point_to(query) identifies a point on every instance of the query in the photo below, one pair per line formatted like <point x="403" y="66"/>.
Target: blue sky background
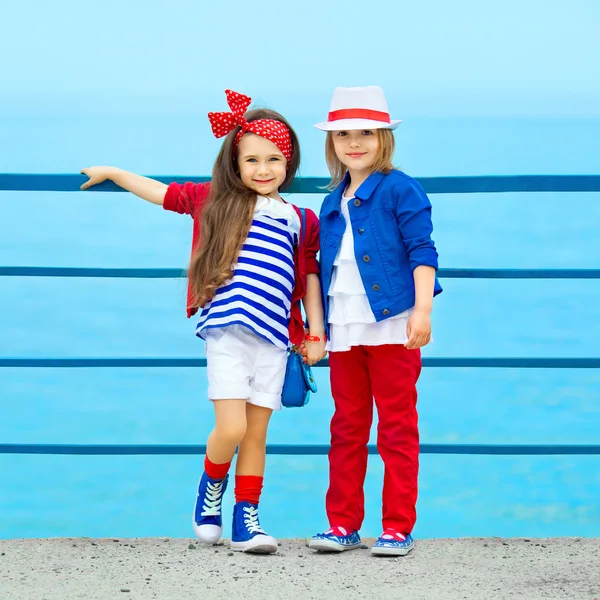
<point x="433" y="58"/>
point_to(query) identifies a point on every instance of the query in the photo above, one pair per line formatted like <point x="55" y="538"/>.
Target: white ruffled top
<point x="351" y="320"/>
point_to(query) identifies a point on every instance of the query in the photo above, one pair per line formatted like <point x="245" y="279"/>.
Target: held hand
<point x="313" y="352"/>
<point x="302" y="350"/>
<point x="418" y="330"/>
<point x="96" y="174"/>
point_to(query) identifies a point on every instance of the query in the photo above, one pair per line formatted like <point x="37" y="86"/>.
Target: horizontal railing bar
<point x="173" y="273"/>
<point x="56" y="182"/>
<point x="291" y="449"/>
<point x="519" y="273"/>
<point x="137" y="273"/>
<point x="455" y="362"/>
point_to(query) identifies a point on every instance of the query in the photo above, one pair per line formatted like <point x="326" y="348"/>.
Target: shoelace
<point x="211" y="507"/>
<point x="251" y="520"/>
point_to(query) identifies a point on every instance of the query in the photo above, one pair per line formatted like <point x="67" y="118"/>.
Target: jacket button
<point x="367" y="258"/>
<point x="375" y="288"/>
<point x="357" y="202"/>
<point x="361" y="230"/>
<point x="386" y="312"/>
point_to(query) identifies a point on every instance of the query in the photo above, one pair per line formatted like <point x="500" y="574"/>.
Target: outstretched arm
<point x="143" y="187"/>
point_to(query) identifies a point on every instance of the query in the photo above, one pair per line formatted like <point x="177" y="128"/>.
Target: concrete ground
<point x="174" y="569"/>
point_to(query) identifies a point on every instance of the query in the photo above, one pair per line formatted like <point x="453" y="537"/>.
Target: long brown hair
<point x="227" y="214"/>
<point x="383" y="163"/>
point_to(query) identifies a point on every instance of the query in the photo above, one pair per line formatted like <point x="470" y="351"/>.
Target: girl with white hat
<point x="378" y="276"/>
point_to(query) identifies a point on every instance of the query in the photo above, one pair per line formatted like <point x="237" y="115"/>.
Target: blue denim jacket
<point x="391" y="224"/>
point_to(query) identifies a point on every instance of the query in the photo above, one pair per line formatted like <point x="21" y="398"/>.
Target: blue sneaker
<point x="392" y="543"/>
<point x="208" y="523"/>
<point x="336" y="539"/>
<point x="247" y="534"/>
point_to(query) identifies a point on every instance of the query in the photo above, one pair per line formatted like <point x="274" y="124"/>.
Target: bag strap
<point x="303" y="234"/>
<point x="303" y="226"/>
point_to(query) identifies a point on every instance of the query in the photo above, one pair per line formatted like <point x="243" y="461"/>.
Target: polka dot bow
<point x="223" y="123"/>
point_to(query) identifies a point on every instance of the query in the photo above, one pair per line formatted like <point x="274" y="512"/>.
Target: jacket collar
<point x="364" y="192"/>
<point x="368" y="186"/>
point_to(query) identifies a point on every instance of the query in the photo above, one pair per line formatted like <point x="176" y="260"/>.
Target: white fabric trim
<point x="351" y="320"/>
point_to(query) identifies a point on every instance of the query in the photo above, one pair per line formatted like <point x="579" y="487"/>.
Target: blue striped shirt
<point x="259" y="295"/>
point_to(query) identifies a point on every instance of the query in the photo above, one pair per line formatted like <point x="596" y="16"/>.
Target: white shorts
<point x="242" y="365"/>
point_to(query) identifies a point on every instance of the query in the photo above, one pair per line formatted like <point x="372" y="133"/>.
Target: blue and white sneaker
<point x="393" y="543"/>
<point x="207" y="520"/>
<point x="247" y="534"/>
<point x="336" y="539"/>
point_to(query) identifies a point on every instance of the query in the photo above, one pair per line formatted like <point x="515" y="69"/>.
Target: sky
<point x="433" y="58"/>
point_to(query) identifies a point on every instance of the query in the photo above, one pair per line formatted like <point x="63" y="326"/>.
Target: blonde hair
<point x="383" y="162"/>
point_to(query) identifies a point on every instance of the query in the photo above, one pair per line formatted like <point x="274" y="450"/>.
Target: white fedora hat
<point x="358" y="108"/>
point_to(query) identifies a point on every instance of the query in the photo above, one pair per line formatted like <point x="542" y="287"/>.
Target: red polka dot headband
<point x="223" y="123"/>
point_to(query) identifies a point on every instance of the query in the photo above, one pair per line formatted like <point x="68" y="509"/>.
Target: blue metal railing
<point x="450" y="362"/>
<point x="170" y="273"/>
<point x="293" y="450"/>
<point x="432" y="185"/>
<point x="46" y="182"/>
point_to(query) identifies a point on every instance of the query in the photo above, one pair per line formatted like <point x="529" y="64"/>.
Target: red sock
<point x="216" y="471"/>
<point x="248" y="488"/>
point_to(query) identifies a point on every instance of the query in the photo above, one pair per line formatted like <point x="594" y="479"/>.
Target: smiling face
<point x="358" y="150"/>
<point x="262" y="165"/>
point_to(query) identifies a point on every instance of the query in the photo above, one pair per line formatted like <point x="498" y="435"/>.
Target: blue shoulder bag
<point x="299" y="381"/>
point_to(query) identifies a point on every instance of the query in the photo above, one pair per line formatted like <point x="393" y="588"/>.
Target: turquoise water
<point x="138" y="496"/>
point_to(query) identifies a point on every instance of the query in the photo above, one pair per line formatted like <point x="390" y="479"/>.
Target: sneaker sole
<point x="265" y="545"/>
<point x="383" y="551"/>
<point x="330" y="546"/>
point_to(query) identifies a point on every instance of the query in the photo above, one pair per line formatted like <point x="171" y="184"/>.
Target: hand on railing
<point x="97" y="175"/>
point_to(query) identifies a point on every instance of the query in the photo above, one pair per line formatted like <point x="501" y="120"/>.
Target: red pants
<point x="389" y="375"/>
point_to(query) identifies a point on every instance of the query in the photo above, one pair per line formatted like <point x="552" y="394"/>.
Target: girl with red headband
<point x="251" y="265"/>
<point x="378" y="275"/>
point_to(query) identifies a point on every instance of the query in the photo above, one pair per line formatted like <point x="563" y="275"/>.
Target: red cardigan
<point x="189" y="198"/>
